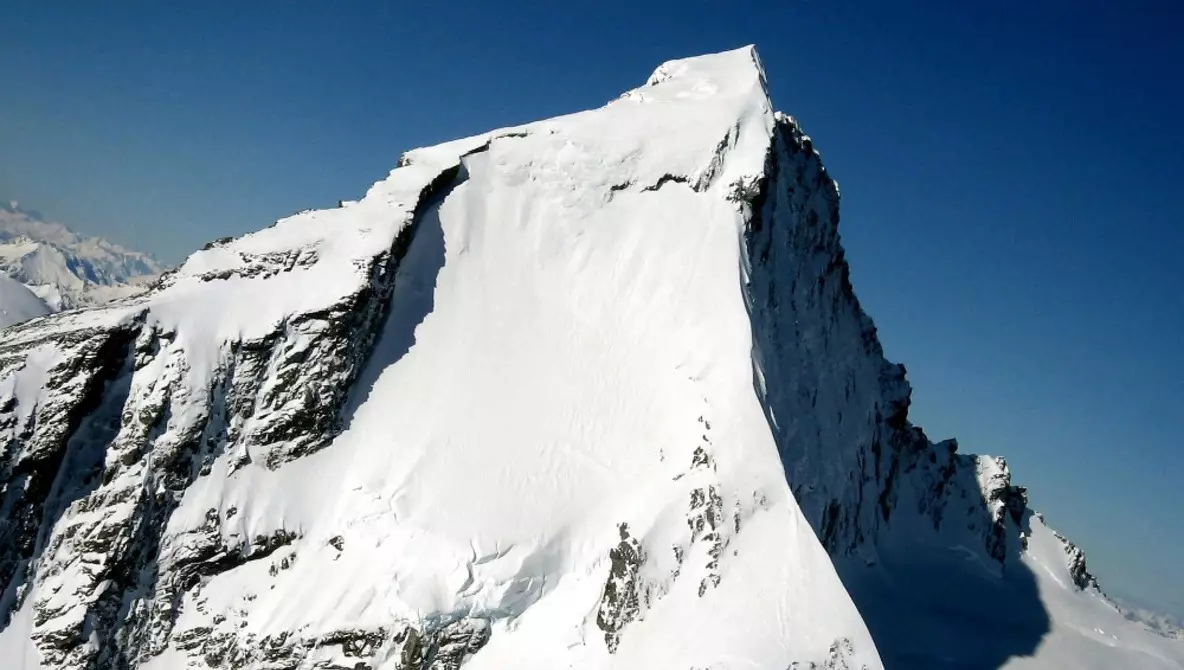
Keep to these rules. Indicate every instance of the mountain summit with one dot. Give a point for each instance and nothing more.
(592, 392)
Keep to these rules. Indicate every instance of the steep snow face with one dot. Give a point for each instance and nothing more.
(498, 412)
(65, 269)
(18, 303)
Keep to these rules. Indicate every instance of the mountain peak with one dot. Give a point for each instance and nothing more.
(592, 392)
(733, 70)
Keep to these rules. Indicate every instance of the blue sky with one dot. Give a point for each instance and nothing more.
(1012, 180)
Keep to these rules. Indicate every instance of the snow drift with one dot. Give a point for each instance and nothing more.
(592, 392)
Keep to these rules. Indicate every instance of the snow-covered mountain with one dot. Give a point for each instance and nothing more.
(592, 392)
(65, 269)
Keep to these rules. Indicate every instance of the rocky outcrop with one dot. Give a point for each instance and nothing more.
(838, 659)
(1075, 558)
(443, 648)
(623, 592)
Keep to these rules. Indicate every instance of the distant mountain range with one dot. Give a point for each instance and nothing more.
(1163, 624)
(62, 269)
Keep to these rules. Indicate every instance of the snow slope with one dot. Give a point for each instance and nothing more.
(592, 392)
(18, 303)
(938, 604)
(1088, 630)
(64, 269)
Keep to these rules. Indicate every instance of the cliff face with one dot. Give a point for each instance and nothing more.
(593, 392)
(944, 559)
(838, 408)
(891, 506)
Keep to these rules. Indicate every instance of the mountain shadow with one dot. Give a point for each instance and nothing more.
(932, 607)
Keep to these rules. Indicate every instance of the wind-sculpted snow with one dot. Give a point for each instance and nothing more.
(592, 392)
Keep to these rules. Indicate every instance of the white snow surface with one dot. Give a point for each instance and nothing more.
(18, 303)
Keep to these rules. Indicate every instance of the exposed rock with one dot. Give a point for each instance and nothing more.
(621, 602)
(1082, 578)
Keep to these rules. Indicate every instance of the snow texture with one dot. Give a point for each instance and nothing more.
(18, 303)
(592, 392)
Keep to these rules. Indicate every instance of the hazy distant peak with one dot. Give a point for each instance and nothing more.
(16, 222)
(64, 268)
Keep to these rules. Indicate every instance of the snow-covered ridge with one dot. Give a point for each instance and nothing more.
(592, 392)
(65, 269)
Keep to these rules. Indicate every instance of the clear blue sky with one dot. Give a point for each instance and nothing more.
(1013, 190)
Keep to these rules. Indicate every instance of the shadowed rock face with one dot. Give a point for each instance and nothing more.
(882, 497)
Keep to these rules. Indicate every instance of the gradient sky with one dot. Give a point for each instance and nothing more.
(1013, 189)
